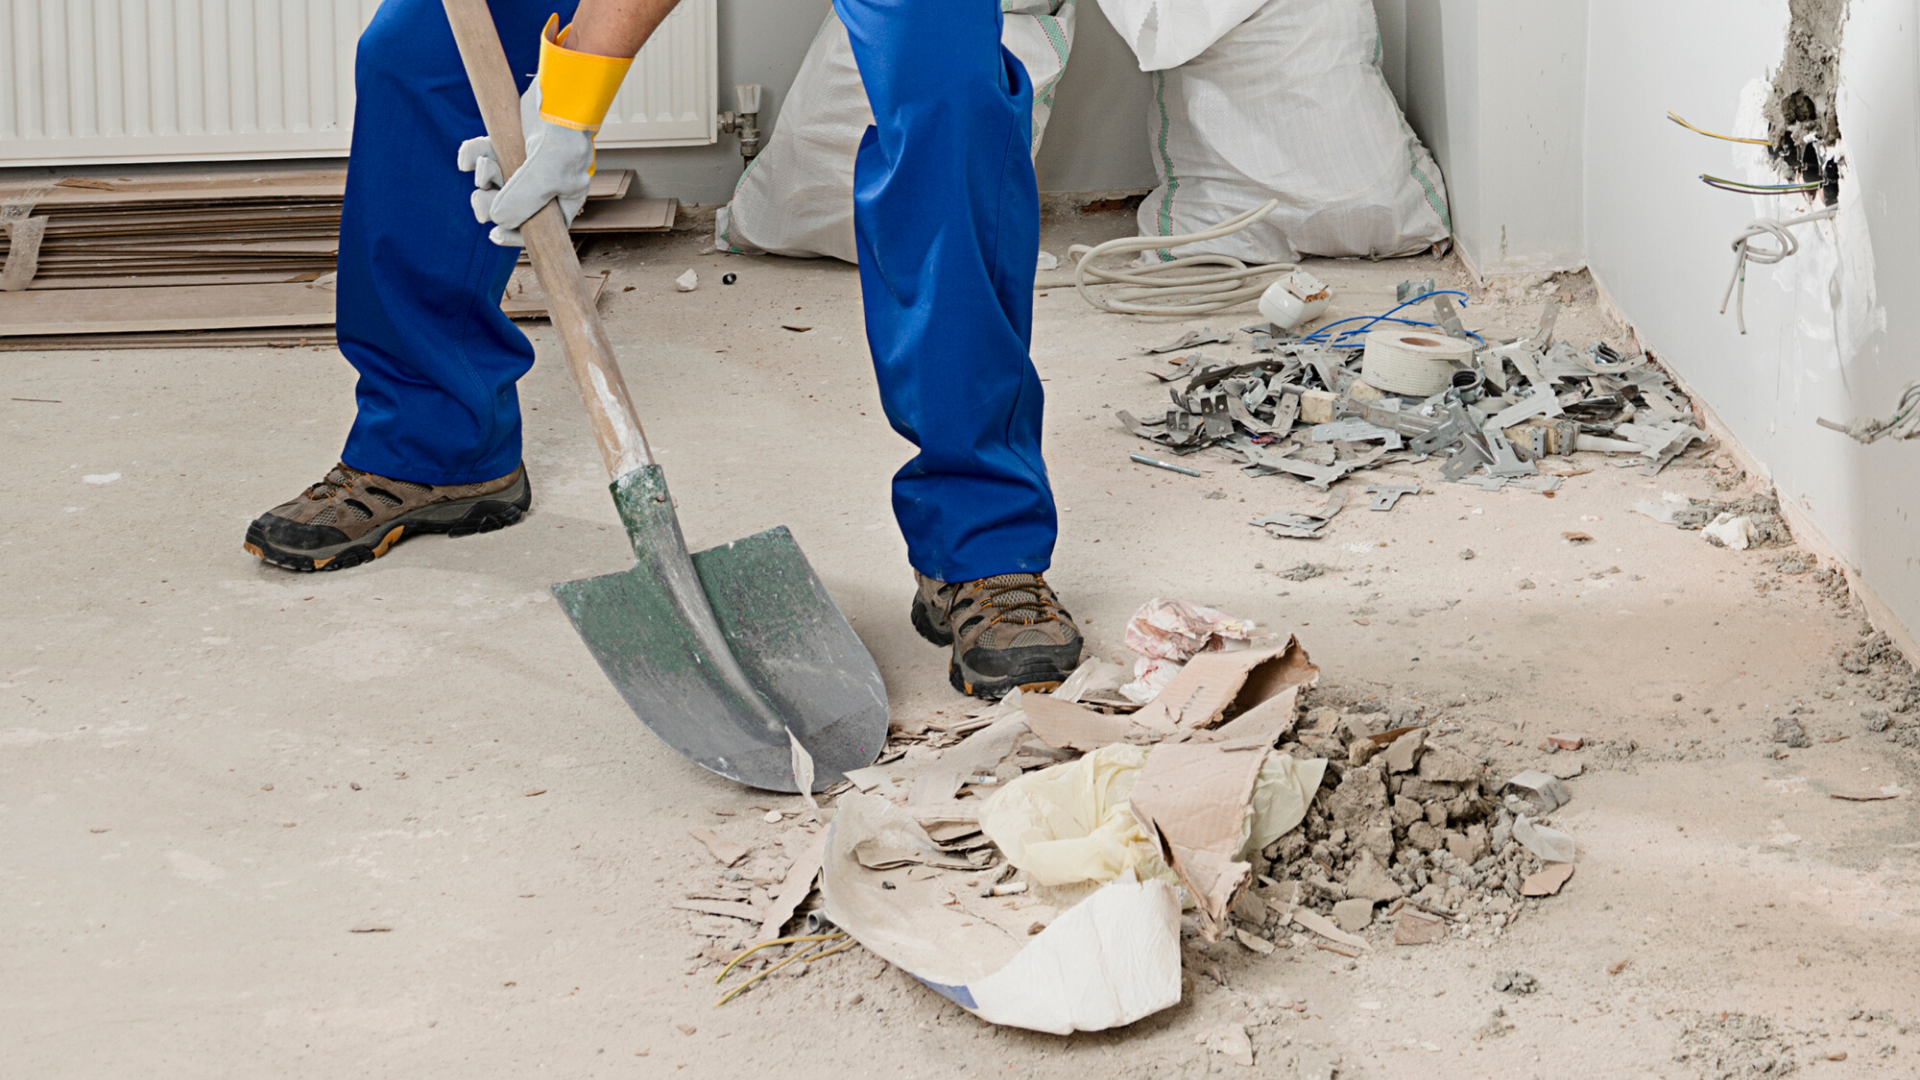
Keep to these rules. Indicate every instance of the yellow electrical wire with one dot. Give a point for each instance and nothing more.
(1675, 117)
(776, 941)
(757, 976)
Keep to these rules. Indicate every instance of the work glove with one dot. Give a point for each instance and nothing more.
(559, 114)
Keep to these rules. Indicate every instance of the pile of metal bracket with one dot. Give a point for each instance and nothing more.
(1303, 410)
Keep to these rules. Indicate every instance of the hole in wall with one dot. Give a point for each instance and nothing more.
(1803, 125)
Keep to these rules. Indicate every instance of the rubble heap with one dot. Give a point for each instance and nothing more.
(1307, 411)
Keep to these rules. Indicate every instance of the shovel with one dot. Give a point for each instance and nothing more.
(735, 656)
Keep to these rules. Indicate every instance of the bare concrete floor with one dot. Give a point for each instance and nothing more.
(212, 771)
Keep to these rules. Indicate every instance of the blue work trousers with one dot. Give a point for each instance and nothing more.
(946, 212)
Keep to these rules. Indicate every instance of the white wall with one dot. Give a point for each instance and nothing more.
(1833, 331)
(1495, 90)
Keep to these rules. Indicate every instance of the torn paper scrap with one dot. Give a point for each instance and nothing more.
(1214, 684)
(1179, 630)
(1281, 794)
(1105, 962)
(1070, 822)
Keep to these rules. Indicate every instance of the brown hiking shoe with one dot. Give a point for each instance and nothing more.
(1007, 631)
(353, 517)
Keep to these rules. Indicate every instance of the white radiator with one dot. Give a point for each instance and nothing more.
(99, 81)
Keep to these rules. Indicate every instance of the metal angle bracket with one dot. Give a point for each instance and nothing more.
(1386, 495)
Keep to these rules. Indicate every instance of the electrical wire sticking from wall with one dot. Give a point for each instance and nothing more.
(1745, 252)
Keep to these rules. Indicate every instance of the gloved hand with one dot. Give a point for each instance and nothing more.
(559, 114)
(559, 166)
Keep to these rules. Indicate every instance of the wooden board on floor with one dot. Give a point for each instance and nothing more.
(626, 215)
(147, 310)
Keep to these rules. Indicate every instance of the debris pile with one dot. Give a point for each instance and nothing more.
(1312, 408)
(1006, 858)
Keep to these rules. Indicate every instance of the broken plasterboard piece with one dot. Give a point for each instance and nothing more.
(1212, 683)
(1551, 845)
(1193, 800)
(725, 851)
(1105, 962)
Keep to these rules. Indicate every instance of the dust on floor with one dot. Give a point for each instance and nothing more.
(213, 773)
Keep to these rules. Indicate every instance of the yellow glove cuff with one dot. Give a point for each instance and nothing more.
(576, 88)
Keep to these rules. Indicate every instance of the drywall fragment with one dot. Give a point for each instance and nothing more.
(799, 882)
(1319, 924)
(1547, 882)
(1416, 927)
(1192, 800)
(1545, 792)
(726, 851)
(1229, 1041)
(1551, 845)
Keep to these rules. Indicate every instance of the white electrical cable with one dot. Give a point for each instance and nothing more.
(1745, 252)
(1903, 424)
(1165, 288)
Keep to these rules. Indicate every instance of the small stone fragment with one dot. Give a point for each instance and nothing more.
(1403, 753)
(1353, 915)
(687, 282)
(1788, 730)
(1515, 982)
(1466, 554)
(1566, 742)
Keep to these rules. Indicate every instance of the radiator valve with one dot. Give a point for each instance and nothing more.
(745, 118)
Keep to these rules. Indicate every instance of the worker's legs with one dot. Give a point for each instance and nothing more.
(947, 216)
(419, 284)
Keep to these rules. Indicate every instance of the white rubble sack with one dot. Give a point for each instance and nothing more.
(796, 197)
(1288, 104)
(1107, 961)
(1168, 33)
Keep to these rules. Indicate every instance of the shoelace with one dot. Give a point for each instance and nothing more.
(338, 479)
(994, 598)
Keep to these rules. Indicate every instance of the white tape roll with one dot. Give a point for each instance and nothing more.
(1412, 362)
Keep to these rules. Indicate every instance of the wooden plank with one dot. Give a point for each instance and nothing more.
(215, 187)
(51, 312)
(626, 215)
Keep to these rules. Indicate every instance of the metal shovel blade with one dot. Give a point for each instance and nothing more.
(723, 653)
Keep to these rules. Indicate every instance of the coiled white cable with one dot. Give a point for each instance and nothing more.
(1745, 252)
(1166, 288)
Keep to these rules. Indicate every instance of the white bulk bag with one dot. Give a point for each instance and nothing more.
(1291, 104)
(796, 198)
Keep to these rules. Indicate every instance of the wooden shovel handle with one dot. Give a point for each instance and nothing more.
(616, 427)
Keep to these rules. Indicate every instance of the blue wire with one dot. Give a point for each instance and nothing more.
(1338, 341)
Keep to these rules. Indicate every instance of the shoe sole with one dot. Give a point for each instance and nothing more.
(1040, 678)
(456, 517)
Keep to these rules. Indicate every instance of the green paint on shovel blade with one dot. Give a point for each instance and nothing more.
(804, 668)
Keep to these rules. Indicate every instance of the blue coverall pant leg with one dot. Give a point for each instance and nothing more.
(419, 284)
(946, 213)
